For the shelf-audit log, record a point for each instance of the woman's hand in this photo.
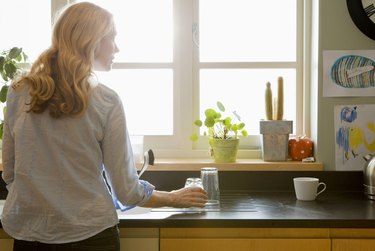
(182, 198)
(189, 197)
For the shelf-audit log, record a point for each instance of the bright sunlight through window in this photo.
(179, 57)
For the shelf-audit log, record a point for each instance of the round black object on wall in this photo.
(362, 13)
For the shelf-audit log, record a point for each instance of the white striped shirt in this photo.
(53, 169)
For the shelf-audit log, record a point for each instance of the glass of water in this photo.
(210, 182)
(193, 182)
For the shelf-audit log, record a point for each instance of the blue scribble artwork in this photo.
(353, 71)
(347, 115)
(355, 135)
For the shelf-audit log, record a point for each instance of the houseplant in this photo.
(10, 67)
(223, 133)
(275, 129)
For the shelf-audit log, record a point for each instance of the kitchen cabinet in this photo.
(239, 239)
(139, 239)
(353, 244)
(6, 242)
(249, 239)
(353, 239)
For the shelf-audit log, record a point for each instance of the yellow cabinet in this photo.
(241, 239)
(353, 244)
(139, 239)
(353, 239)
(6, 242)
(245, 244)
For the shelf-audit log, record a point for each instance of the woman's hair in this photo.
(59, 77)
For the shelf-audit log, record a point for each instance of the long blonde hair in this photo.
(59, 77)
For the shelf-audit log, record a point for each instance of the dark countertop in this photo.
(277, 209)
(270, 202)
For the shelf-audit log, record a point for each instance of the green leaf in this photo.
(1, 129)
(15, 52)
(194, 137)
(10, 70)
(210, 113)
(227, 121)
(198, 123)
(3, 94)
(2, 62)
(220, 106)
(244, 133)
(209, 122)
(19, 58)
(234, 127)
(24, 56)
(241, 126)
(4, 76)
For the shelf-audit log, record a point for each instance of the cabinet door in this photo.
(6, 242)
(139, 239)
(353, 244)
(245, 244)
(139, 244)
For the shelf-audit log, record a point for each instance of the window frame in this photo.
(251, 145)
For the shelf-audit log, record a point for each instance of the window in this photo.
(178, 57)
(143, 72)
(32, 31)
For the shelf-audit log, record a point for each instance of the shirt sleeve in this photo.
(119, 162)
(8, 156)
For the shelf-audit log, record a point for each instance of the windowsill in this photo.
(240, 165)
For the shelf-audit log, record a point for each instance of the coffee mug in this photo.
(306, 188)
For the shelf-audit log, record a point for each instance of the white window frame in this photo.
(186, 67)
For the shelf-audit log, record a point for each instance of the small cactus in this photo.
(280, 99)
(275, 106)
(268, 98)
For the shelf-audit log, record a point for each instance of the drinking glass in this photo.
(210, 182)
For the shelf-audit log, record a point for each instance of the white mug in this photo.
(306, 188)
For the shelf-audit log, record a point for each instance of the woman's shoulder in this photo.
(16, 89)
(105, 92)
(105, 97)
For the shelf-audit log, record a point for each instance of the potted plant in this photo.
(274, 129)
(222, 132)
(10, 68)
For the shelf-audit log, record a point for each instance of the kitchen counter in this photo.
(268, 204)
(269, 209)
(265, 209)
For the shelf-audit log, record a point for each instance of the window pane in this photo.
(147, 96)
(28, 27)
(247, 30)
(145, 29)
(242, 90)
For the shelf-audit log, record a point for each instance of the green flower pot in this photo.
(224, 150)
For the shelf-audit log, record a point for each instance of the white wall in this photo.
(336, 32)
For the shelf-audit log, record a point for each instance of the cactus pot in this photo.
(275, 139)
(224, 150)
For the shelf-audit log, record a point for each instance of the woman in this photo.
(62, 129)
